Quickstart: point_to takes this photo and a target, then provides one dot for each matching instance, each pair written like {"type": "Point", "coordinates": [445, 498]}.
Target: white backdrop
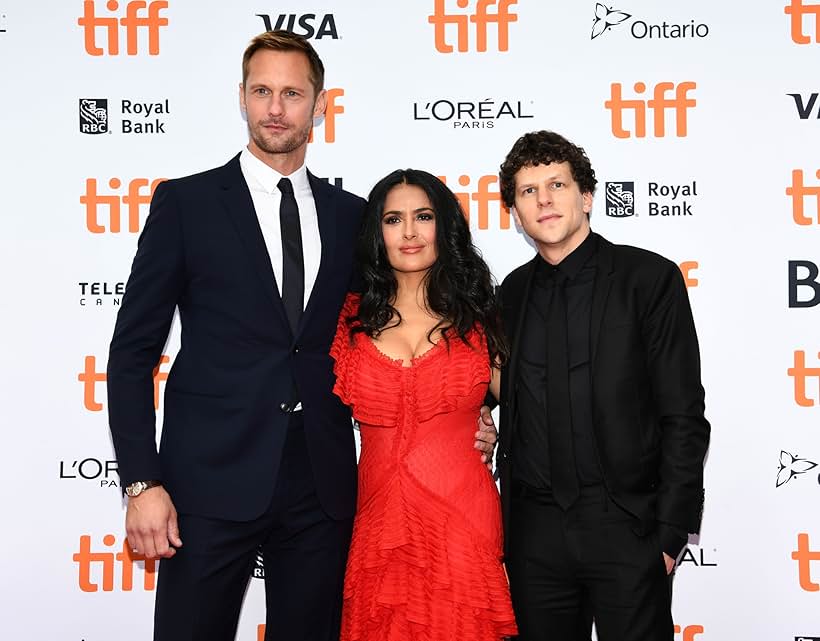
{"type": "Point", "coordinates": [724, 135]}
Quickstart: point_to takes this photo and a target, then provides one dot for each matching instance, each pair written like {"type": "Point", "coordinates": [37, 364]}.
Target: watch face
{"type": "Point", "coordinates": [135, 489]}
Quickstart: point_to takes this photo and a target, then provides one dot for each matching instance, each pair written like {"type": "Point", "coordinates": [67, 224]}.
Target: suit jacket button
{"type": "Point", "coordinates": [285, 407]}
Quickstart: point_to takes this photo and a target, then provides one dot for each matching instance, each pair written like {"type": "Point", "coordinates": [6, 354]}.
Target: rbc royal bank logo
{"type": "Point", "coordinates": [620, 199]}
{"type": "Point", "coordinates": [93, 115]}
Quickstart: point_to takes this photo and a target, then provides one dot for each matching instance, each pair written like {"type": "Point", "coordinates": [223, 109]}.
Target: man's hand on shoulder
{"type": "Point", "coordinates": [151, 524]}
{"type": "Point", "coordinates": [486, 436]}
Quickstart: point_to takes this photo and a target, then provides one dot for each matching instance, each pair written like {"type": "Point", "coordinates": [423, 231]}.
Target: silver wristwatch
{"type": "Point", "coordinates": [138, 487]}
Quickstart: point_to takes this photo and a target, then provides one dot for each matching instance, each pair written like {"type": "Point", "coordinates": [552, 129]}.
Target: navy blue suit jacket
{"type": "Point", "coordinates": [202, 251]}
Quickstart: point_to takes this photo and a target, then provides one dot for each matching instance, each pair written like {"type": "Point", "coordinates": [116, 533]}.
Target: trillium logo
{"type": "Point", "coordinates": [606, 18]}
{"type": "Point", "coordinates": [791, 466]}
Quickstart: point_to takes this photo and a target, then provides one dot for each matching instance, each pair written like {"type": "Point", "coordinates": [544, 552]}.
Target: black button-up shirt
{"type": "Point", "coordinates": [531, 463]}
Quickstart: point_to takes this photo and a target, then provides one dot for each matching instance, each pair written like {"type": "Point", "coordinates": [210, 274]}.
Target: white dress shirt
{"type": "Point", "coordinates": [262, 182]}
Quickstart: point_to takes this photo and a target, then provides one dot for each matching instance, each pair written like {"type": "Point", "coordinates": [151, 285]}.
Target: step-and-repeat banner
{"type": "Point", "coordinates": [701, 118]}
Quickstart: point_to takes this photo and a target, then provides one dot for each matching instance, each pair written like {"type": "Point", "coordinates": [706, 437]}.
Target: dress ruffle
{"type": "Point", "coordinates": [355, 384]}
{"type": "Point", "coordinates": [418, 572]}
{"type": "Point", "coordinates": [425, 559]}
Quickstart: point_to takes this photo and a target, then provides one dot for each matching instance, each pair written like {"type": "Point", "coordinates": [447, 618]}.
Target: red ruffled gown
{"type": "Point", "coordinates": [425, 559]}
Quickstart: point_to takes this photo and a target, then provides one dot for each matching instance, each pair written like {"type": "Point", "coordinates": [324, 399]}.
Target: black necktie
{"type": "Point", "coordinates": [562, 458]}
{"type": "Point", "coordinates": [293, 263]}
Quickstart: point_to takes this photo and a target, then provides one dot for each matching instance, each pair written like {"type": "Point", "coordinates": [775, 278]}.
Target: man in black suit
{"type": "Point", "coordinates": [602, 429]}
{"type": "Point", "coordinates": [256, 450]}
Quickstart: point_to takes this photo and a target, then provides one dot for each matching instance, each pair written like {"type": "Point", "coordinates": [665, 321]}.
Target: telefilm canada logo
{"type": "Point", "coordinates": [136, 116]}
{"type": "Point", "coordinates": [608, 18]}
{"type": "Point", "coordinates": [472, 114]}
{"type": "Point", "coordinates": [791, 466]}
{"type": "Point", "coordinates": [99, 294]}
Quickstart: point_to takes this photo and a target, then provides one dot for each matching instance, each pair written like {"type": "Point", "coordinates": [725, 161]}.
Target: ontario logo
{"type": "Point", "coordinates": [620, 199]}
{"type": "Point", "coordinates": [608, 17]}
{"type": "Point", "coordinates": [93, 115]}
{"type": "Point", "coordinates": [790, 466]}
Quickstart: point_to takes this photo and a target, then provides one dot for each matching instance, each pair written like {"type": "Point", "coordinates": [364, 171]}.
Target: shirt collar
{"type": "Point", "coordinates": [267, 178]}
{"type": "Point", "coordinates": [573, 262]}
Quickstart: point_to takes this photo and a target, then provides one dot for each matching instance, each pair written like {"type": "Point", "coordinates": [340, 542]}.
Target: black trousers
{"type": "Point", "coordinates": [200, 589]}
{"type": "Point", "coordinates": [567, 568]}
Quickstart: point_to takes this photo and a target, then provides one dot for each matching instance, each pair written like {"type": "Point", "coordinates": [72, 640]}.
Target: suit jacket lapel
{"type": "Point", "coordinates": [323, 196]}
{"type": "Point", "coordinates": [236, 198]}
{"type": "Point", "coordinates": [600, 292]}
{"type": "Point", "coordinates": [517, 302]}
{"type": "Point", "coordinates": [520, 306]}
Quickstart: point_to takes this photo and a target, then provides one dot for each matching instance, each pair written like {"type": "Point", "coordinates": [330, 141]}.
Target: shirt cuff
{"type": "Point", "coordinates": [672, 539]}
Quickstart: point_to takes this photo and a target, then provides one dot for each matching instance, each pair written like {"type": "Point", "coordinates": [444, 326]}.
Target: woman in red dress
{"type": "Point", "coordinates": [414, 357]}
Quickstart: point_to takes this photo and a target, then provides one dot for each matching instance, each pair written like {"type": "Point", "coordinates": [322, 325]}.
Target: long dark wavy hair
{"type": "Point", "coordinates": [459, 286]}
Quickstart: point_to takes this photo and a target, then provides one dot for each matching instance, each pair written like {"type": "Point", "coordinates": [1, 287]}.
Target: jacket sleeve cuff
{"type": "Point", "coordinates": [672, 539]}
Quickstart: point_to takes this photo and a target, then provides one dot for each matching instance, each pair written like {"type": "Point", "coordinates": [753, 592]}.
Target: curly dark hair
{"type": "Point", "coordinates": [460, 288]}
{"type": "Point", "coordinates": [543, 148]}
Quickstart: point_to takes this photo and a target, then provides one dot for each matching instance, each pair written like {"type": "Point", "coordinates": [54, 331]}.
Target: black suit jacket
{"type": "Point", "coordinates": [202, 251]}
{"type": "Point", "coordinates": [647, 400]}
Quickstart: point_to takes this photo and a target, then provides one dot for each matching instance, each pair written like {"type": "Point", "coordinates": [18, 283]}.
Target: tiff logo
{"type": "Point", "coordinates": [502, 18]}
{"type": "Point", "coordinates": [804, 556]}
{"type": "Point", "coordinates": [799, 372]}
{"type": "Point", "coordinates": [107, 561]}
{"type": "Point", "coordinates": [482, 196]}
{"type": "Point", "coordinates": [658, 104]}
{"type": "Point", "coordinates": [798, 11]}
{"type": "Point", "coordinates": [687, 633]}
{"type": "Point", "coordinates": [139, 193]}
{"type": "Point", "coordinates": [332, 110]}
{"type": "Point", "coordinates": [133, 22]}
{"type": "Point", "coordinates": [799, 192]}
{"type": "Point", "coordinates": [687, 268]}
{"type": "Point", "coordinates": [804, 107]}
{"type": "Point", "coordinates": [89, 377]}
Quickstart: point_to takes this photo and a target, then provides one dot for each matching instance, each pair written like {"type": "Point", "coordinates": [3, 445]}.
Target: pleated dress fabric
{"type": "Point", "coordinates": [425, 559]}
